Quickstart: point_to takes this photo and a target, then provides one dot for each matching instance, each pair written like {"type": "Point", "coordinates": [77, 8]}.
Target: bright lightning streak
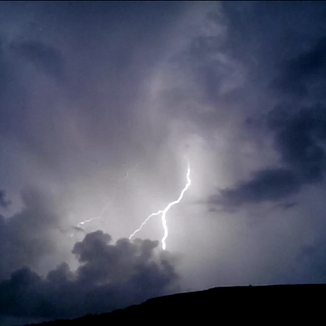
{"type": "Point", "coordinates": [141, 226]}
{"type": "Point", "coordinates": [163, 217]}
{"type": "Point", "coordinates": [164, 212]}
{"type": "Point", "coordinates": [87, 221]}
{"type": "Point", "coordinates": [96, 217]}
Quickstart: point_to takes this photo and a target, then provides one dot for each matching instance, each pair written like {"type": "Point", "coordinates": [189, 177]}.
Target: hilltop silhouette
{"type": "Point", "coordinates": [224, 305]}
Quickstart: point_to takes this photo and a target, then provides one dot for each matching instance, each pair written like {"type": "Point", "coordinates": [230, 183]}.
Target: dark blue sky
{"type": "Point", "coordinates": [101, 107]}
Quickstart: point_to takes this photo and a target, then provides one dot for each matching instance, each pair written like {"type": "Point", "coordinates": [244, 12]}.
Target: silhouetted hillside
{"type": "Point", "coordinates": [259, 304]}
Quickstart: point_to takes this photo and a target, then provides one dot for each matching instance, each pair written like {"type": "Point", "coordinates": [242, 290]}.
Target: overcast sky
{"type": "Point", "coordinates": [103, 105]}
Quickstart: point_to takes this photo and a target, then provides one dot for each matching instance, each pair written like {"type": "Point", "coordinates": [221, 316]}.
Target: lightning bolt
{"type": "Point", "coordinates": [164, 212]}
{"type": "Point", "coordinates": [146, 220]}
{"type": "Point", "coordinates": [96, 217]}
{"type": "Point", "coordinates": [79, 224]}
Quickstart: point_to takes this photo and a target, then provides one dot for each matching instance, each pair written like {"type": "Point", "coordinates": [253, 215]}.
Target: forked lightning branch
{"type": "Point", "coordinates": [160, 212]}
{"type": "Point", "coordinates": [164, 212]}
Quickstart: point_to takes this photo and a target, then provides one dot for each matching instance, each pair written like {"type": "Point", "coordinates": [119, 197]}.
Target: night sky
{"type": "Point", "coordinates": [102, 108]}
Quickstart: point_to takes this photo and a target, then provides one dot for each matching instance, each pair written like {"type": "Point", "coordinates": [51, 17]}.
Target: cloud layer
{"type": "Point", "coordinates": [110, 276]}
{"type": "Point", "coordinates": [101, 107]}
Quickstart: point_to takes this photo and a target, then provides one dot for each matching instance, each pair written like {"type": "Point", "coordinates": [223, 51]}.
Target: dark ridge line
{"type": "Point", "coordinates": [286, 301]}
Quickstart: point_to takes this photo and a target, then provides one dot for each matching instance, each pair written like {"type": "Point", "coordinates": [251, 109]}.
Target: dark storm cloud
{"type": "Point", "coordinates": [4, 203]}
{"type": "Point", "coordinates": [133, 82]}
{"type": "Point", "coordinates": [265, 185]}
{"type": "Point", "coordinates": [25, 238]}
{"type": "Point", "coordinates": [299, 72]}
{"type": "Point", "coordinates": [298, 131]}
{"type": "Point", "coordinates": [11, 95]}
{"type": "Point", "coordinates": [300, 140]}
{"type": "Point", "coordinates": [110, 276]}
{"type": "Point", "coordinates": [4, 72]}
{"type": "Point", "coordinates": [45, 57]}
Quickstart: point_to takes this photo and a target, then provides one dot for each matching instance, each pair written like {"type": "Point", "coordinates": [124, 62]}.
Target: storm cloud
{"type": "Point", "coordinates": [4, 203]}
{"type": "Point", "coordinates": [44, 57]}
{"type": "Point", "coordinates": [110, 276]}
{"type": "Point", "coordinates": [297, 127]}
{"type": "Point", "coordinates": [265, 185]}
{"type": "Point", "coordinates": [299, 75]}
{"type": "Point", "coordinates": [27, 237]}
{"type": "Point", "coordinates": [300, 140]}
{"type": "Point", "coordinates": [102, 107]}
